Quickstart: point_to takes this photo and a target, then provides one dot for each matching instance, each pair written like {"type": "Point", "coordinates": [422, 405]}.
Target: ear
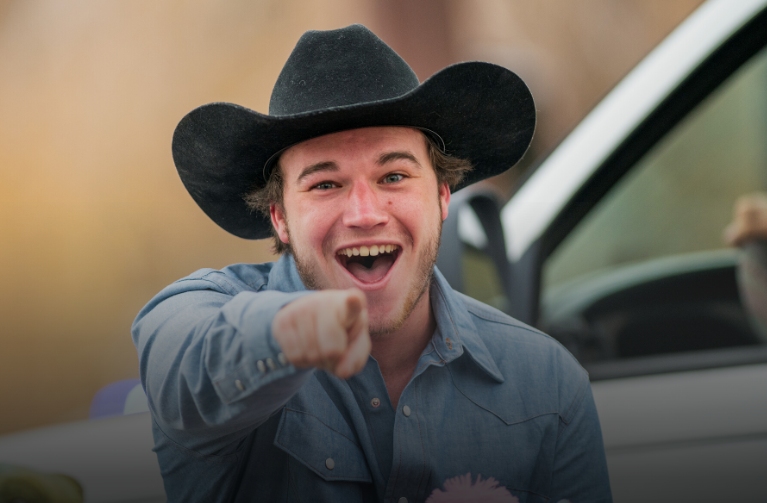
{"type": "Point", "coordinates": [444, 198]}
{"type": "Point", "coordinates": [279, 221]}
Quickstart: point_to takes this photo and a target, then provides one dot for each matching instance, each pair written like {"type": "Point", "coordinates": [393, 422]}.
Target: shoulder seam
{"type": "Point", "coordinates": [496, 319]}
{"type": "Point", "coordinates": [232, 289]}
{"type": "Point", "coordinates": [215, 283]}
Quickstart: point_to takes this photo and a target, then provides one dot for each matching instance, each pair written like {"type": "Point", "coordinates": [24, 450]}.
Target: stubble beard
{"type": "Point", "coordinates": [423, 275]}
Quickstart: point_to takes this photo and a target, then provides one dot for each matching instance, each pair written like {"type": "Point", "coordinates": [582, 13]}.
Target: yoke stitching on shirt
{"type": "Point", "coordinates": [309, 464]}
{"type": "Point", "coordinates": [498, 319]}
{"type": "Point", "coordinates": [507, 423]}
{"type": "Point", "coordinates": [323, 423]}
{"type": "Point", "coordinates": [490, 318]}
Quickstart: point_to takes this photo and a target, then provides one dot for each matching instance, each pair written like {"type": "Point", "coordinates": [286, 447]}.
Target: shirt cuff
{"type": "Point", "coordinates": [262, 362]}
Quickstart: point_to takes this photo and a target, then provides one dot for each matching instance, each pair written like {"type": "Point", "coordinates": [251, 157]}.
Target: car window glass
{"type": "Point", "coordinates": [481, 277]}
{"type": "Point", "coordinates": [665, 219]}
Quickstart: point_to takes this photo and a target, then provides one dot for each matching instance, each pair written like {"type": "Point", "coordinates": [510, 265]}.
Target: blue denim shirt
{"type": "Point", "coordinates": [233, 421]}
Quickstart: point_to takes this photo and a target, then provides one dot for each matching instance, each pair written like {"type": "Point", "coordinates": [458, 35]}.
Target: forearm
{"type": "Point", "coordinates": [211, 367]}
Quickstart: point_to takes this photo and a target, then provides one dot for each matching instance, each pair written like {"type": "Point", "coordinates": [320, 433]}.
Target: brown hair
{"type": "Point", "coordinates": [447, 168]}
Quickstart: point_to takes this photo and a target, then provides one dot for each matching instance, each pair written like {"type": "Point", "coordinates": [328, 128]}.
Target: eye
{"type": "Point", "coordinates": [393, 178]}
{"type": "Point", "coordinates": [324, 186]}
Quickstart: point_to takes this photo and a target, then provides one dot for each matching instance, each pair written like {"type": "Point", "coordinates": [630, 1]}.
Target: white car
{"type": "Point", "coordinates": [613, 246]}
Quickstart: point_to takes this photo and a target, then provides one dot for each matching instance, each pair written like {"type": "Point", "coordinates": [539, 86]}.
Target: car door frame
{"type": "Point", "coordinates": [526, 272]}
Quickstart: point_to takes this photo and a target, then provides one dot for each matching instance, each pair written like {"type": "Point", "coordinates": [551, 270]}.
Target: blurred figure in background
{"type": "Point", "coordinates": [748, 230]}
{"type": "Point", "coordinates": [749, 220]}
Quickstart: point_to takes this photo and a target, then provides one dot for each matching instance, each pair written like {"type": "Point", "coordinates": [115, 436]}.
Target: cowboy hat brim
{"type": "Point", "coordinates": [483, 112]}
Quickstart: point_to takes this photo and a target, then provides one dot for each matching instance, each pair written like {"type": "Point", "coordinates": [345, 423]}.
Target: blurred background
{"type": "Point", "coordinates": [93, 218]}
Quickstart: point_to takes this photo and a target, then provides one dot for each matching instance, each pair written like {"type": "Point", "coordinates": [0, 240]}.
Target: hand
{"type": "Point", "coordinates": [749, 219]}
{"type": "Point", "coordinates": [326, 330]}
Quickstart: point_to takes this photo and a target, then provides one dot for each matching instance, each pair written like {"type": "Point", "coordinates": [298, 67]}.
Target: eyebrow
{"type": "Point", "coordinates": [394, 156]}
{"type": "Point", "coordinates": [317, 168]}
{"type": "Point", "coordinates": [331, 166]}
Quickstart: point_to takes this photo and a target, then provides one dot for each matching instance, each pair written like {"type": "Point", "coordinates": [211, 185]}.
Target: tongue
{"type": "Point", "coordinates": [380, 267]}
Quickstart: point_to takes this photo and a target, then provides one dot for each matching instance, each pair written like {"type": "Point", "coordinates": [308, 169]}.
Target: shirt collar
{"type": "Point", "coordinates": [457, 332]}
{"type": "Point", "coordinates": [284, 275]}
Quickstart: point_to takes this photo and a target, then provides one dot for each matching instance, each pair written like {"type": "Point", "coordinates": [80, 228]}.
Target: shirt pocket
{"type": "Point", "coordinates": [324, 444]}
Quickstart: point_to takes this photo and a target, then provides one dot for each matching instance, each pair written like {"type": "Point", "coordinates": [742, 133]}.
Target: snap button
{"type": "Point", "coordinates": [281, 358]}
{"type": "Point", "coordinates": [239, 385]}
{"type": "Point", "coordinates": [375, 402]}
{"type": "Point", "coordinates": [406, 411]}
{"type": "Point", "coordinates": [449, 343]}
{"type": "Point", "coordinates": [330, 464]}
{"type": "Point", "coordinates": [261, 366]}
{"type": "Point", "coordinates": [402, 500]}
{"type": "Point", "coordinates": [270, 364]}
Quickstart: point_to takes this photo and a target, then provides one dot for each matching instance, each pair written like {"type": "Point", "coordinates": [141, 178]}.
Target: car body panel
{"type": "Point", "coordinates": [111, 458]}
{"type": "Point", "coordinates": [687, 436]}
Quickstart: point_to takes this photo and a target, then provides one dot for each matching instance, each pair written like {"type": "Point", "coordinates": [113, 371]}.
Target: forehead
{"type": "Point", "coordinates": [354, 144]}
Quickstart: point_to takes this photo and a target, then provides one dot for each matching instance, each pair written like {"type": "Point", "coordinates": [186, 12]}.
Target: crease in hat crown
{"type": "Point", "coordinates": [309, 82]}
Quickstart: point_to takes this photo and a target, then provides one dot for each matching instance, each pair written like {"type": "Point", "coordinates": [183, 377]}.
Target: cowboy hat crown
{"type": "Point", "coordinates": [346, 79]}
{"type": "Point", "coordinates": [323, 72]}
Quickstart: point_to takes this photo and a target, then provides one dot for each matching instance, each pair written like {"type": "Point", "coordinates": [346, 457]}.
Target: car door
{"type": "Point", "coordinates": [615, 248]}
{"type": "Point", "coordinates": [634, 278]}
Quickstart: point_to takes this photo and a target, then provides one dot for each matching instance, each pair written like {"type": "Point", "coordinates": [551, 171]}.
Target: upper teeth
{"type": "Point", "coordinates": [365, 251]}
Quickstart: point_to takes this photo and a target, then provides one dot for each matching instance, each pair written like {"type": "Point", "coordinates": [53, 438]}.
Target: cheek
{"type": "Point", "coordinates": [418, 216]}
{"type": "Point", "coordinates": [311, 224]}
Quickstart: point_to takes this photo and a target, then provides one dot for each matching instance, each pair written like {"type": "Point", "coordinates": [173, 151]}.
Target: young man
{"type": "Point", "coordinates": [349, 370]}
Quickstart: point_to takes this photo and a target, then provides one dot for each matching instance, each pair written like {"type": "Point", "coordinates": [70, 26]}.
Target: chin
{"type": "Point", "coordinates": [385, 322]}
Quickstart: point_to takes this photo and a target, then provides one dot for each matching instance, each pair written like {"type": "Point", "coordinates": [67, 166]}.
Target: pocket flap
{"type": "Point", "coordinates": [329, 450]}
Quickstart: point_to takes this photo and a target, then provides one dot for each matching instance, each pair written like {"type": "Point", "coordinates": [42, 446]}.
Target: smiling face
{"type": "Point", "coordinates": [363, 208]}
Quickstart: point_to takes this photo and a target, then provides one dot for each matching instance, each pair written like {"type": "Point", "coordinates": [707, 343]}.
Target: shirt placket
{"type": "Point", "coordinates": [372, 398]}
{"type": "Point", "coordinates": [409, 474]}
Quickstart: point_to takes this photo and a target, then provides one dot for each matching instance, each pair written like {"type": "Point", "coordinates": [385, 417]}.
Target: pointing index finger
{"type": "Point", "coordinates": [355, 302]}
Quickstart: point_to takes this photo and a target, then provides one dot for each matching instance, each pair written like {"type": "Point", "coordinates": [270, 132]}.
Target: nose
{"type": "Point", "coordinates": [363, 209]}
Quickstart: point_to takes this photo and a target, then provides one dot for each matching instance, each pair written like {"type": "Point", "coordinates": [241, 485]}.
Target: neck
{"type": "Point", "coordinates": [397, 352]}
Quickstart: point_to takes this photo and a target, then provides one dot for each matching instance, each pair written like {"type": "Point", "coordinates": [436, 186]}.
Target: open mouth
{"type": "Point", "coordinates": [369, 264]}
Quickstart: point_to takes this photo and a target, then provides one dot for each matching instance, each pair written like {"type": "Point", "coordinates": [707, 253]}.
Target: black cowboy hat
{"type": "Point", "coordinates": [346, 79]}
